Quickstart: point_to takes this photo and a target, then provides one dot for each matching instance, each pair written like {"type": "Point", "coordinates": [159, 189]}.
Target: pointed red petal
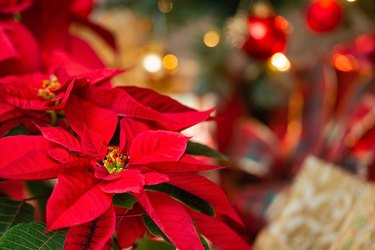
{"type": "Point", "coordinates": [187, 163]}
{"type": "Point", "coordinates": [152, 146]}
{"type": "Point", "coordinates": [5, 107]}
{"type": "Point", "coordinates": [129, 229]}
{"type": "Point", "coordinates": [5, 127]}
{"type": "Point", "coordinates": [26, 158]}
{"type": "Point", "coordinates": [13, 147]}
{"type": "Point", "coordinates": [185, 120]}
{"type": "Point", "coordinates": [219, 233]}
{"type": "Point", "coordinates": [207, 190]}
{"type": "Point", "coordinates": [101, 75]}
{"type": "Point", "coordinates": [121, 102]}
{"type": "Point", "coordinates": [176, 117]}
{"type": "Point", "coordinates": [129, 129]}
{"type": "Point", "coordinates": [62, 137]}
{"type": "Point", "coordinates": [16, 7]}
{"type": "Point", "coordinates": [76, 199]}
{"type": "Point", "coordinates": [180, 115]}
{"type": "Point", "coordinates": [80, 113]}
{"type": "Point", "coordinates": [8, 50]}
{"type": "Point", "coordinates": [13, 91]}
{"type": "Point", "coordinates": [153, 178]}
{"type": "Point", "coordinates": [131, 181]}
{"type": "Point", "coordinates": [172, 219]}
{"type": "Point", "coordinates": [156, 101]}
{"type": "Point", "coordinates": [93, 234]}
{"type": "Point", "coordinates": [93, 144]}
{"type": "Point", "coordinates": [70, 159]}
{"type": "Point", "coordinates": [15, 190]}
{"type": "Point", "coordinates": [62, 155]}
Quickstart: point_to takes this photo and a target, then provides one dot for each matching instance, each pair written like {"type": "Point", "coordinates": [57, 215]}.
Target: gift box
{"type": "Point", "coordinates": [320, 199]}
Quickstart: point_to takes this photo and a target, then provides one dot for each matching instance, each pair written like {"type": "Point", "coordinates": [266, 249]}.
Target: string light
{"type": "Point", "coordinates": [211, 39]}
{"type": "Point", "coordinates": [165, 6]}
{"type": "Point", "coordinates": [170, 62]}
{"type": "Point", "coordinates": [345, 63]}
{"type": "Point", "coordinates": [280, 62]}
{"type": "Point", "coordinates": [152, 63]}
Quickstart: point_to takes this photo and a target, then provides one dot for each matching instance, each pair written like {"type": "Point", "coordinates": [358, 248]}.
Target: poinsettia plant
{"type": "Point", "coordinates": [84, 165]}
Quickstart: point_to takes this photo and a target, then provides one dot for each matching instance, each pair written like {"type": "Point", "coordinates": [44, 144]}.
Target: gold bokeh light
{"type": "Point", "coordinates": [279, 62]}
{"type": "Point", "coordinates": [211, 38]}
{"type": "Point", "coordinates": [170, 62]}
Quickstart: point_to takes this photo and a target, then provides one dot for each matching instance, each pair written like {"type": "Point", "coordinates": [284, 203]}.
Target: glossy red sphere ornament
{"type": "Point", "coordinates": [324, 15]}
{"type": "Point", "coordinates": [267, 33]}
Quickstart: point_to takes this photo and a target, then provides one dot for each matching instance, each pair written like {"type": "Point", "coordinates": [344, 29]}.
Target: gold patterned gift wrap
{"type": "Point", "coordinates": [318, 202]}
{"type": "Point", "coordinates": [358, 230]}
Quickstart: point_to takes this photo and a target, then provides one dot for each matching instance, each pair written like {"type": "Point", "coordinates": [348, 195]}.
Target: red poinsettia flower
{"type": "Point", "coordinates": [52, 30]}
{"type": "Point", "coordinates": [39, 98]}
{"type": "Point", "coordinates": [91, 170]}
{"type": "Point", "coordinates": [88, 177]}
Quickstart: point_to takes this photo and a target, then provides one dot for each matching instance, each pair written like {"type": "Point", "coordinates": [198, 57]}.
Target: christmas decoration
{"type": "Point", "coordinates": [267, 33]}
{"type": "Point", "coordinates": [324, 15]}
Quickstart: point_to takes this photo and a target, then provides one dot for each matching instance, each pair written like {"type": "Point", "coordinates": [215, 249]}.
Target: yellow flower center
{"type": "Point", "coordinates": [114, 161]}
{"type": "Point", "coordinates": [48, 86]}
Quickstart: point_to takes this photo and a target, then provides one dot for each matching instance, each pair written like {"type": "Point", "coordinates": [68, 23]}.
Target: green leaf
{"type": "Point", "coordinates": [204, 242]}
{"type": "Point", "coordinates": [147, 244]}
{"type": "Point", "coordinates": [31, 236]}
{"type": "Point", "coordinates": [154, 229]}
{"type": "Point", "coordinates": [124, 200]}
{"type": "Point", "coordinates": [40, 189]}
{"type": "Point", "coordinates": [18, 130]}
{"type": "Point", "coordinates": [189, 199]}
{"type": "Point", "coordinates": [195, 148]}
{"type": "Point", "coordinates": [13, 213]}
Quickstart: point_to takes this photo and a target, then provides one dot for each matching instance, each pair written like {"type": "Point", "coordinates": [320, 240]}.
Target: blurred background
{"type": "Point", "coordinates": [290, 79]}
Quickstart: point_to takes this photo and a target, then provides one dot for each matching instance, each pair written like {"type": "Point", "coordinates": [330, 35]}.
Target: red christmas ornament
{"type": "Point", "coordinates": [267, 33]}
{"type": "Point", "coordinates": [324, 15]}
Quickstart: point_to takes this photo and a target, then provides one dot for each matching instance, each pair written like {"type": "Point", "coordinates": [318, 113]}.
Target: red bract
{"type": "Point", "coordinates": [19, 51]}
{"type": "Point", "coordinates": [92, 235]}
{"type": "Point", "coordinates": [141, 109]}
{"type": "Point", "coordinates": [8, 7]}
{"type": "Point", "coordinates": [27, 158]}
{"type": "Point", "coordinates": [52, 30]}
{"type": "Point", "coordinates": [172, 218]}
{"type": "Point", "coordinates": [219, 232]}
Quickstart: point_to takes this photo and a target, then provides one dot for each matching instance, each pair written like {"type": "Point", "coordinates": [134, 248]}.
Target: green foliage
{"type": "Point", "coordinates": [32, 236]}
{"type": "Point", "coordinates": [13, 213]}
{"type": "Point", "coordinates": [19, 130]}
{"type": "Point", "coordinates": [195, 148]}
{"type": "Point", "coordinates": [41, 189]}
{"type": "Point", "coordinates": [124, 200]}
{"type": "Point", "coordinates": [204, 242]}
{"type": "Point", "coordinates": [147, 244]}
{"type": "Point", "coordinates": [189, 199]}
